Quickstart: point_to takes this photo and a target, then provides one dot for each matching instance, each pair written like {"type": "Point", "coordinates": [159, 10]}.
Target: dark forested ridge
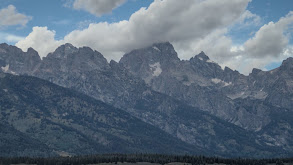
{"type": "Point", "coordinates": [135, 158]}
{"type": "Point", "coordinates": [39, 118]}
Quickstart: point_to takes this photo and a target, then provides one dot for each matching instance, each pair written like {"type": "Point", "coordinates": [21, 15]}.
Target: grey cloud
{"type": "Point", "coordinates": [168, 20]}
{"type": "Point", "coordinates": [269, 44]}
{"type": "Point", "coordinates": [97, 7]}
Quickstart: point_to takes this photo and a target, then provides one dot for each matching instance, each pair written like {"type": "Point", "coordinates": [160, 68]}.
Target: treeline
{"type": "Point", "coordinates": [134, 158]}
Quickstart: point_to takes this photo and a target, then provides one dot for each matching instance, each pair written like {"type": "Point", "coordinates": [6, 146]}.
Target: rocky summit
{"type": "Point", "coordinates": [147, 102]}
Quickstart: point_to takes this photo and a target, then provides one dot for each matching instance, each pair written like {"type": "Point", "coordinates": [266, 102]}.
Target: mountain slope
{"type": "Point", "coordinates": [178, 114]}
{"type": "Point", "coordinates": [16, 143]}
{"type": "Point", "coordinates": [65, 121]}
{"type": "Point", "coordinates": [197, 82]}
{"type": "Point", "coordinates": [252, 102]}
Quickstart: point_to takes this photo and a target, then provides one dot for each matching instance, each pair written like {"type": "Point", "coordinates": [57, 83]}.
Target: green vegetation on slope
{"type": "Point", "coordinates": [66, 122]}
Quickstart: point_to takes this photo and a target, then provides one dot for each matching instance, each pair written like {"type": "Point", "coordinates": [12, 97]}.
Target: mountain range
{"type": "Point", "coordinates": [74, 102]}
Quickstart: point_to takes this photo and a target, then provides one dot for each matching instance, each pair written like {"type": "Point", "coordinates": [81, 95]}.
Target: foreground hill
{"type": "Point", "coordinates": [39, 118]}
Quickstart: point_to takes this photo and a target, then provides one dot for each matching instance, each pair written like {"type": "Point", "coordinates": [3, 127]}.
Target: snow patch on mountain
{"type": "Point", "coordinates": [5, 68]}
{"type": "Point", "coordinates": [217, 81]}
{"type": "Point", "coordinates": [210, 61]}
{"type": "Point", "coordinates": [156, 69]}
{"type": "Point", "coordinates": [156, 48]}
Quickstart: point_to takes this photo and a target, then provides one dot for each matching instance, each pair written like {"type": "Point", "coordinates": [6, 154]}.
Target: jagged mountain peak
{"type": "Point", "coordinates": [82, 53]}
{"type": "Point", "coordinates": [287, 64]}
{"type": "Point", "coordinates": [112, 62]}
{"type": "Point", "coordinates": [15, 52]}
{"type": "Point", "coordinates": [151, 61]}
{"type": "Point", "coordinates": [202, 56]}
{"type": "Point", "coordinates": [158, 52]}
{"type": "Point", "coordinates": [114, 65]}
{"type": "Point", "coordinates": [163, 45]}
{"type": "Point", "coordinates": [4, 45]}
{"type": "Point", "coordinates": [201, 61]}
{"type": "Point", "coordinates": [70, 58]}
{"type": "Point", "coordinates": [10, 48]}
{"type": "Point", "coordinates": [165, 50]}
{"type": "Point", "coordinates": [229, 70]}
{"type": "Point", "coordinates": [32, 52]}
{"type": "Point", "coordinates": [30, 49]}
{"type": "Point", "coordinates": [86, 49]}
{"type": "Point", "coordinates": [64, 50]}
{"type": "Point", "coordinates": [66, 46]}
{"type": "Point", "coordinates": [255, 71]}
{"type": "Point", "coordinates": [69, 48]}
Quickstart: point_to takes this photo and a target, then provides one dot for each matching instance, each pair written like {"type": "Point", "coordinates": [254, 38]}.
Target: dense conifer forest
{"type": "Point", "coordinates": [134, 158]}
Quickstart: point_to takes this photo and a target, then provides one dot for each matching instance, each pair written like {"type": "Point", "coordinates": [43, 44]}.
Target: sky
{"type": "Point", "coordinates": [240, 34]}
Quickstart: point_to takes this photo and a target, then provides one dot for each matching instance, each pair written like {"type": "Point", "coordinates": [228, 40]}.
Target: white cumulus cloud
{"type": "Point", "coordinates": [191, 25]}
{"type": "Point", "coordinates": [271, 39]}
{"type": "Point", "coordinates": [247, 19]}
{"type": "Point", "coordinates": [9, 17]}
{"type": "Point", "coordinates": [97, 7]}
{"type": "Point", "coordinates": [269, 44]}
{"type": "Point", "coordinates": [41, 39]}
{"type": "Point", "coordinates": [13, 38]}
{"type": "Point", "coordinates": [164, 20]}
{"type": "Point", "coordinates": [9, 38]}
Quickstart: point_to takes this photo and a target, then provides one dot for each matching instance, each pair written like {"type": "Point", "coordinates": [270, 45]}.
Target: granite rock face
{"type": "Point", "coordinates": [251, 102]}
{"type": "Point", "coordinates": [13, 60]}
{"type": "Point", "coordinates": [198, 82]}
{"type": "Point", "coordinates": [196, 102]}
